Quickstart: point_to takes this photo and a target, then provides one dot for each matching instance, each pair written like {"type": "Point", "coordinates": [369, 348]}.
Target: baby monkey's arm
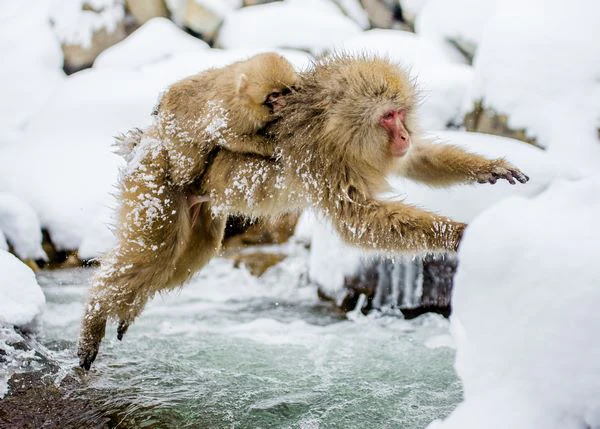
{"type": "Point", "coordinates": [251, 144]}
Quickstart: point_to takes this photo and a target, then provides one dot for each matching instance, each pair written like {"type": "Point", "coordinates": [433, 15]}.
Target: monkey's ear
{"type": "Point", "coordinates": [242, 83]}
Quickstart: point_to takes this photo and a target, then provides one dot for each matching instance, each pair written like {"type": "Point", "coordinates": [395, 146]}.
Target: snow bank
{"type": "Point", "coordinates": [525, 315]}
{"type": "Point", "coordinates": [21, 226]}
{"type": "Point", "coordinates": [70, 170]}
{"type": "Point", "coordinates": [544, 79]}
{"type": "Point", "coordinates": [311, 25]}
{"type": "Point", "coordinates": [32, 65]}
{"type": "Point", "coordinates": [442, 79]}
{"type": "Point", "coordinates": [156, 40]}
{"type": "Point", "coordinates": [21, 298]}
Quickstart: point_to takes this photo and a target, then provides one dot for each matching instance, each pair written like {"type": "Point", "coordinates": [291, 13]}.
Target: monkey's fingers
{"type": "Point", "coordinates": [122, 329]}
{"type": "Point", "coordinates": [519, 175]}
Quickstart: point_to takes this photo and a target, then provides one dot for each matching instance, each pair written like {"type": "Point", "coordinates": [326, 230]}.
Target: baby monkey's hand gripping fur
{"type": "Point", "coordinates": [350, 125]}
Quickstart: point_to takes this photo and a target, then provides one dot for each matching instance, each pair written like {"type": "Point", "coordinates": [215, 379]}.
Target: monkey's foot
{"type": "Point", "coordinates": [92, 332]}
{"type": "Point", "coordinates": [507, 172]}
{"type": "Point", "coordinates": [122, 329]}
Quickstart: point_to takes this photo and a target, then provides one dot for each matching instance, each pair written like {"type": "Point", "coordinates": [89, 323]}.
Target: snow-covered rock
{"type": "Point", "coordinates": [354, 10]}
{"type": "Point", "coordinates": [311, 25]}
{"type": "Point", "coordinates": [85, 28]}
{"type": "Point", "coordinates": [154, 41]}
{"type": "Point", "coordinates": [544, 79]}
{"type": "Point", "coordinates": [21, 226]}
{"type": "Point", "coordinates": [32, 65]}
{"type": "Point", "coordinates": [525, 316]}
{"type": "Point", "coordinates": [75, 24]}
{"type": "Point", "coordinates": [21, 298]}
{"type": "Point", "coordinates": [144, 10]}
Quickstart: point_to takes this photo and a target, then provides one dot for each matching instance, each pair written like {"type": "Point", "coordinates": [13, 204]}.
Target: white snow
{"type": "Point", "coordinates": [62, 165]}
{"type": "Point", "coordinates": [32, 66]}
{"type": "Point", "coordinates": [3, 242]}
{"type": "Point", "coordinates": [21, 226]}
{"type": "Point", "coordinates": [311, 25]}
{"type": "Point", "coordinates": [220, 7]}
{"type": "Point", "coordinates": [459, 20]}
{"type": "Point", "coordinates": [525, 316]}
{"type": "Point", "coordinates": [21, 298]}
{"type": "Point", "coordinates": [330, 258]}
{"type": "Point", "coordinates": [405, 48]}
{"type": "Point", "coordinates": [156, 40]}
{"type": "Point", "coordinates": [545, 79]}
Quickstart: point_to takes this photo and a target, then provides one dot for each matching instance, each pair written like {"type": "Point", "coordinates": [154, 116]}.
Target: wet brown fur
{"type": "Point", "coordinates": [334, 156]}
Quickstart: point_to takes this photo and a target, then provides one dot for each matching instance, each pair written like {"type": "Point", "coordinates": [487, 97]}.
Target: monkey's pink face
{"type": "Point", "coordinates": [393, 122]}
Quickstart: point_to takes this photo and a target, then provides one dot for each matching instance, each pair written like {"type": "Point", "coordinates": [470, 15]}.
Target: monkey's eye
{"type": "Point", "coordinates": [389, 115]}
{"type": "Point", "coordinates": [286, 91]}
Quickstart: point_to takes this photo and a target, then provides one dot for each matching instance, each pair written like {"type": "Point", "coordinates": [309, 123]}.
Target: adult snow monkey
{"type": "Point", "coordinates": [351, 123]}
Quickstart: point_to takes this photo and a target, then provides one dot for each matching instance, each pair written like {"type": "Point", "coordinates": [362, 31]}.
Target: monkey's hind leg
{"type": "Point", "coordinates": [204, 242]}
{"type": "Point", "coordinates": [152, 228]}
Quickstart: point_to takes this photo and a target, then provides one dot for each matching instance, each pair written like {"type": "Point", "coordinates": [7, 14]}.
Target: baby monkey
{"type": "Point", "coordinates": [159, 204]}
{"type": "Point", "coordinates": [222, 107]}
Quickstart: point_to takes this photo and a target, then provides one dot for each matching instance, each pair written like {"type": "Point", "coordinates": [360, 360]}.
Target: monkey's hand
{"type": "Point", "coordinates": [92, 332]}
{"type": "Point", "coordinates": [500, 169]}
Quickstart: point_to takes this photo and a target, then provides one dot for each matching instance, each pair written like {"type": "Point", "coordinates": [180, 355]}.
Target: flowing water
{"type": "Point", "coordinates": [232, 351]}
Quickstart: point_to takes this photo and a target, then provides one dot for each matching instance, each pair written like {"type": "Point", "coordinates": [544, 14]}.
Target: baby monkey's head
{"type": "Point", "coordinates": [262, 82]}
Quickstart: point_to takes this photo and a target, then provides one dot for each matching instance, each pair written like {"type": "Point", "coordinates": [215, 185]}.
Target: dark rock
{"type": "Point", "coordinates": [412, 285]}
{"type": "Point", "coordinates": [485, 120]}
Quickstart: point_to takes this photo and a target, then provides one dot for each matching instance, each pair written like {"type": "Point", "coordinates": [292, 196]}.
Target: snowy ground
{"type": "Point", "coordinates": [525, 302]}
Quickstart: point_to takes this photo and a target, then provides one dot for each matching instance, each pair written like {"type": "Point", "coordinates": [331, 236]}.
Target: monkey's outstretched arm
{"type": "Point", "coordinates": [444, 165]}
{"type": "Point", "coordinates": [394, 227]}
